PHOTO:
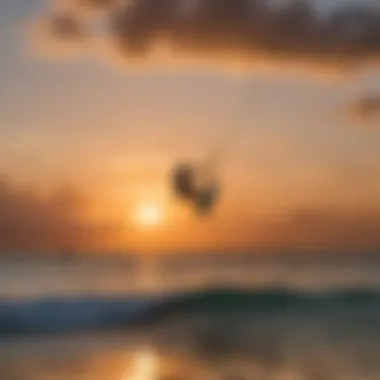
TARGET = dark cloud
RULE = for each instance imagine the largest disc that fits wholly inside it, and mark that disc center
(92, 4)
(30, 221)
(64, 25)
(252, 31)
(365, 108)
(87, 8)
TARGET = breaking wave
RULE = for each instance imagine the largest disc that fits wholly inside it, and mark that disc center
(345, 309)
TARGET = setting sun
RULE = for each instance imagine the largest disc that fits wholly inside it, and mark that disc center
(148, 215)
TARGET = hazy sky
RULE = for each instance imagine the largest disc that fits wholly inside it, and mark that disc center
(300, 170)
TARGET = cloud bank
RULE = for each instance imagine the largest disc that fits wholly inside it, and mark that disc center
(31, 221)
(323, 228)
(253, 32)
(50, 223)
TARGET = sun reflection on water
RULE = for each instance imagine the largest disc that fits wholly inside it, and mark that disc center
(144, 366)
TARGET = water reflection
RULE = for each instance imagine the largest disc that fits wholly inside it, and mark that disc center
(144, 366)
(297, 345)
(150, 363)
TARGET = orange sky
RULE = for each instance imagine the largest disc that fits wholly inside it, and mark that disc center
(299, 172)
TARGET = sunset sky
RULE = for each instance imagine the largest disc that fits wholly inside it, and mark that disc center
(87, 140)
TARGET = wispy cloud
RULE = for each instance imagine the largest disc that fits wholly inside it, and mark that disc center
(57, 35)
(365, 108)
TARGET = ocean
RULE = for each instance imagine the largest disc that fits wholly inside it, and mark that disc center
(189, 317)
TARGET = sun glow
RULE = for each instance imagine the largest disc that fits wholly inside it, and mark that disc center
(148, 215)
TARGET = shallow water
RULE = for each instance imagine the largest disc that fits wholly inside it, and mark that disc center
(309, 356)
(321, 323)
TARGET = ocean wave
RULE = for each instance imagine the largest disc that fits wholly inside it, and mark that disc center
(61, 315)
(66, 315)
